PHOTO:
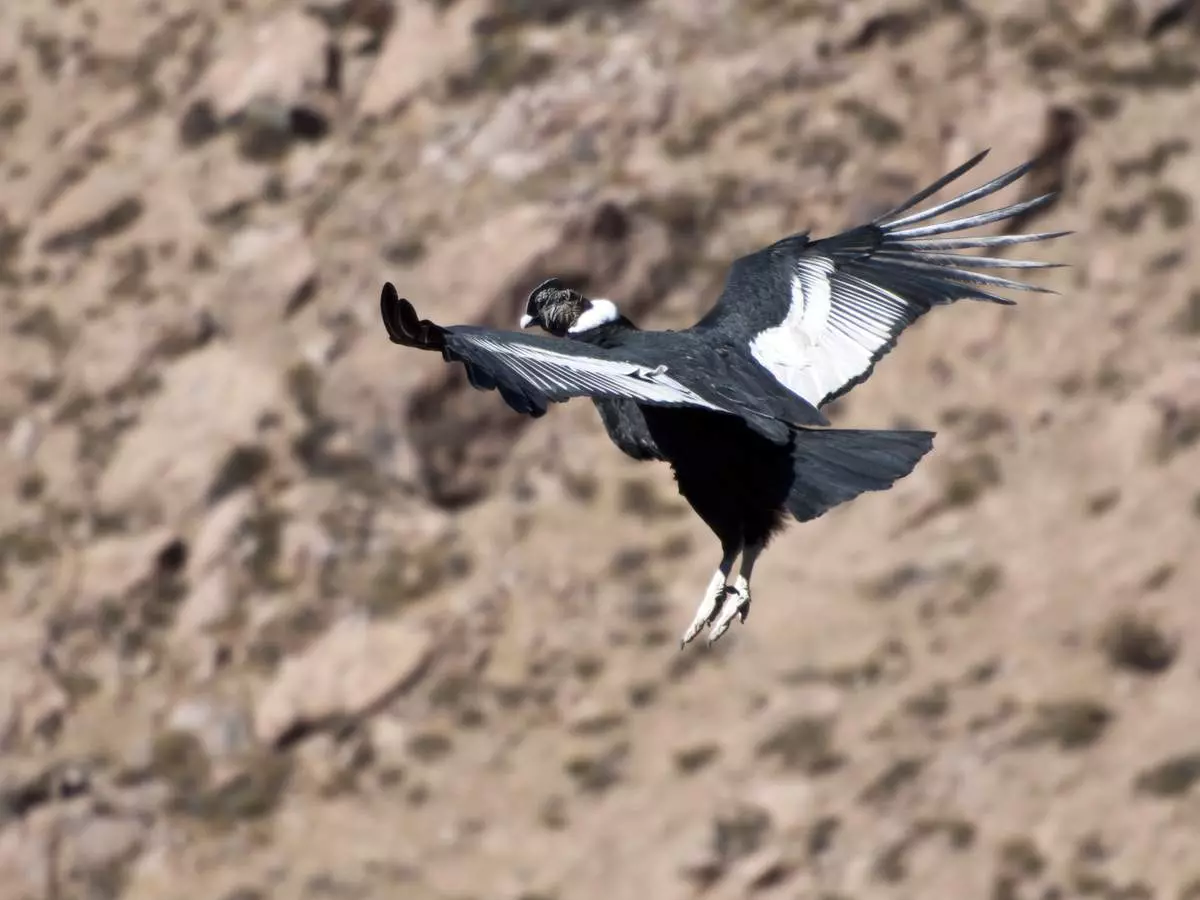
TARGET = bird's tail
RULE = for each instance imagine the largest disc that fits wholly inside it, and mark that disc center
(833, 465)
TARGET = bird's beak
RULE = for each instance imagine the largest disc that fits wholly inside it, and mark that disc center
(526, 320)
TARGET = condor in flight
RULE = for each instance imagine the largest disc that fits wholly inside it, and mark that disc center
(733, 402)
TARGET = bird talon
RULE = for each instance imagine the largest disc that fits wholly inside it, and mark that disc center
(711, 607)
(739, 609)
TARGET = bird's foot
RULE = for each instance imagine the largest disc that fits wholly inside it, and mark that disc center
(710, 607)
(736, 605)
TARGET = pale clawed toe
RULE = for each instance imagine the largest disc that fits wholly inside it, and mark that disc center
(736, 606)
(710, 607)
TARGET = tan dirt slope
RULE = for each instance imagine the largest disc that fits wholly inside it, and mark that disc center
(289, 612)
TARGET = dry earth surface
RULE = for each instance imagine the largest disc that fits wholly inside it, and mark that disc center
(289, 612)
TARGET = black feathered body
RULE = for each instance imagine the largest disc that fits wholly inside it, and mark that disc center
(737, 481)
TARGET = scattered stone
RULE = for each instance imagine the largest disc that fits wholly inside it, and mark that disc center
(112, 567)
(700, 865)
(1171, 777)
(272, 274)
(226, 190)
(424, 43)
(1134, 642)
(304, 550)
(1174, 397)
(598, 772)
(430, 746)
(353, 667)
(763, 870)
(23, 438)
(1070, 724)
(592, 716)
(822, 835)
(1100, 17)
(32, 703)
(99, 847)
(27, 786)
(739, 834)
(177, 759)
(278, 61)
(216, 539)
(210, 603)
(77, 852)
(695, 757)
(199, 123)
(892, 865)
(741, 831)
(333, 762)
(116, 352)
(789, 802)
(252, 791)
(1161, 16)
(101, 206)
(210, 401)
(804, 744)
(892, 780)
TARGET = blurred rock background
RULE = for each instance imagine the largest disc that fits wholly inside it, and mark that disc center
(288, 612)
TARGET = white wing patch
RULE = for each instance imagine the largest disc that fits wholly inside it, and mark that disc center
(831, 332)
(554, 372)
(791, 350)
(811, 283)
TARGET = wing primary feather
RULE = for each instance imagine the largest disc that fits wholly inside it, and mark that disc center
(955, 259)
(975, 221)
(963, 199)
(946, 273)
(933, 188)
(932, 290)
(966, 243)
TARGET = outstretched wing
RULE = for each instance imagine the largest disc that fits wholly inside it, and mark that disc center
(531, 371)
(819, 314)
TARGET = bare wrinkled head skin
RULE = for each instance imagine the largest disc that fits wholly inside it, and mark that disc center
(562, 311)
(554, 307)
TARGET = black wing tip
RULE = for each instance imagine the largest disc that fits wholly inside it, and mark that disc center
(965, 167)
(403, 326)
(393, 308)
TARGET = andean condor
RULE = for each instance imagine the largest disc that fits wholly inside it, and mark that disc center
(733, 402)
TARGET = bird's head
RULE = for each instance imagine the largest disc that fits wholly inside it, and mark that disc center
(560, 310)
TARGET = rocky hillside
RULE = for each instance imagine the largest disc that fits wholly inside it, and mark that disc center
(288, 612)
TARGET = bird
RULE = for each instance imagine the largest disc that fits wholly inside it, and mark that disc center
(733, 403)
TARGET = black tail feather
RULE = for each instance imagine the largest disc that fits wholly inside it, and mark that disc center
(835, 465)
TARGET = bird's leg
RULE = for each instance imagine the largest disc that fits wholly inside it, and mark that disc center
(740, 607)
(714, 596)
